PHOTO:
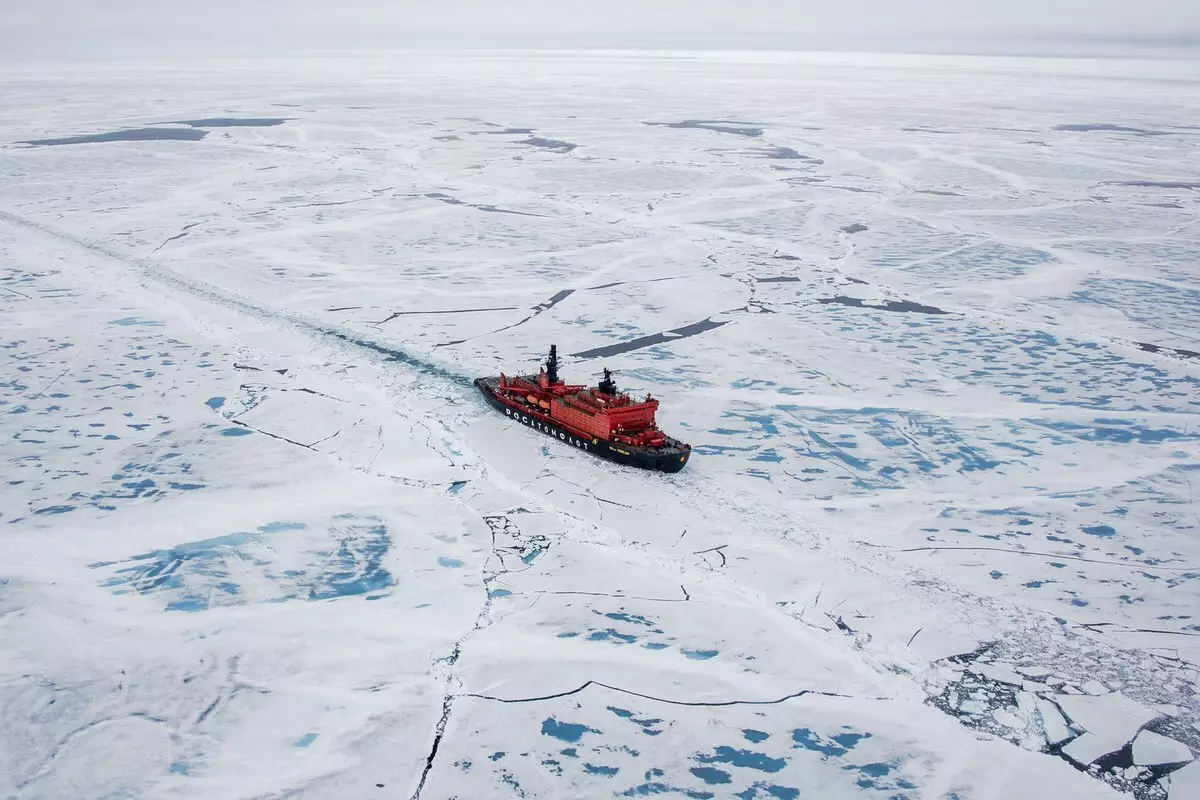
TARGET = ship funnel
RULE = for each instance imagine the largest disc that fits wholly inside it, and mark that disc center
(552, 365)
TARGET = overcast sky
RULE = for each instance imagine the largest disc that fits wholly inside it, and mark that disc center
(108, 28)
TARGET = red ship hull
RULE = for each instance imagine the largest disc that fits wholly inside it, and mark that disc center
(600, 421)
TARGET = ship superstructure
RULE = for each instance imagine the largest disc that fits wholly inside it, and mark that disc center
(601, 420)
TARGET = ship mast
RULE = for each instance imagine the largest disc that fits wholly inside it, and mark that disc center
(552, 365)
(607, 386)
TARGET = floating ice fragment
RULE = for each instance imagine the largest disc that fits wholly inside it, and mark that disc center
(1153, 748)
(1053, 725)
(1110, 720)
(1185, 783)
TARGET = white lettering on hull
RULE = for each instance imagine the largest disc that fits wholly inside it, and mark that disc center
(549, 430)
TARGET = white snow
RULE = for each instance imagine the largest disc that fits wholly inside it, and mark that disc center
(262, 538)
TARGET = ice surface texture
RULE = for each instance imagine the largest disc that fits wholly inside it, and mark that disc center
(931, 326)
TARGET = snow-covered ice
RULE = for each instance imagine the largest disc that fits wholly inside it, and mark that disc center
(932, 326)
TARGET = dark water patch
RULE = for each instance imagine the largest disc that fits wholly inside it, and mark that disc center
(454, 201)
(232, 122)
(901, 306)
(549, 144)
(130, 135)
(1085, 127)
(778, 279)
(505, 132)
(857, 227)
(395, 314)
(751, 129)
(1161, 184)
(448, 138)
(1171, 351)
(938, 192)
(182, 233)
(554, 300)
(785, 153)
(622, 283)
(54, 510)
(399, 356)
(755, 736)
(649, 341)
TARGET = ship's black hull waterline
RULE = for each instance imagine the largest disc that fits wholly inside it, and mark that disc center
(671, 458)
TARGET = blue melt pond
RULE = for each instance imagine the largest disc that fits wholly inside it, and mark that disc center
(215, 402)
(600, 769)
(236, 432)
(777, 792)
(130, 321)
(305, 740)
(189, 606)
(839, 745)
(622, 616)
(1099, 530)
(701, 655)
(279, 527)
(452, 563)
(499, 593)
(609, 635)
(711, 775)
(569, 732)
(755, 736)
(743, 758)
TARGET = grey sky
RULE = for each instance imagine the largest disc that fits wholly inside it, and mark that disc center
(113, 28)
